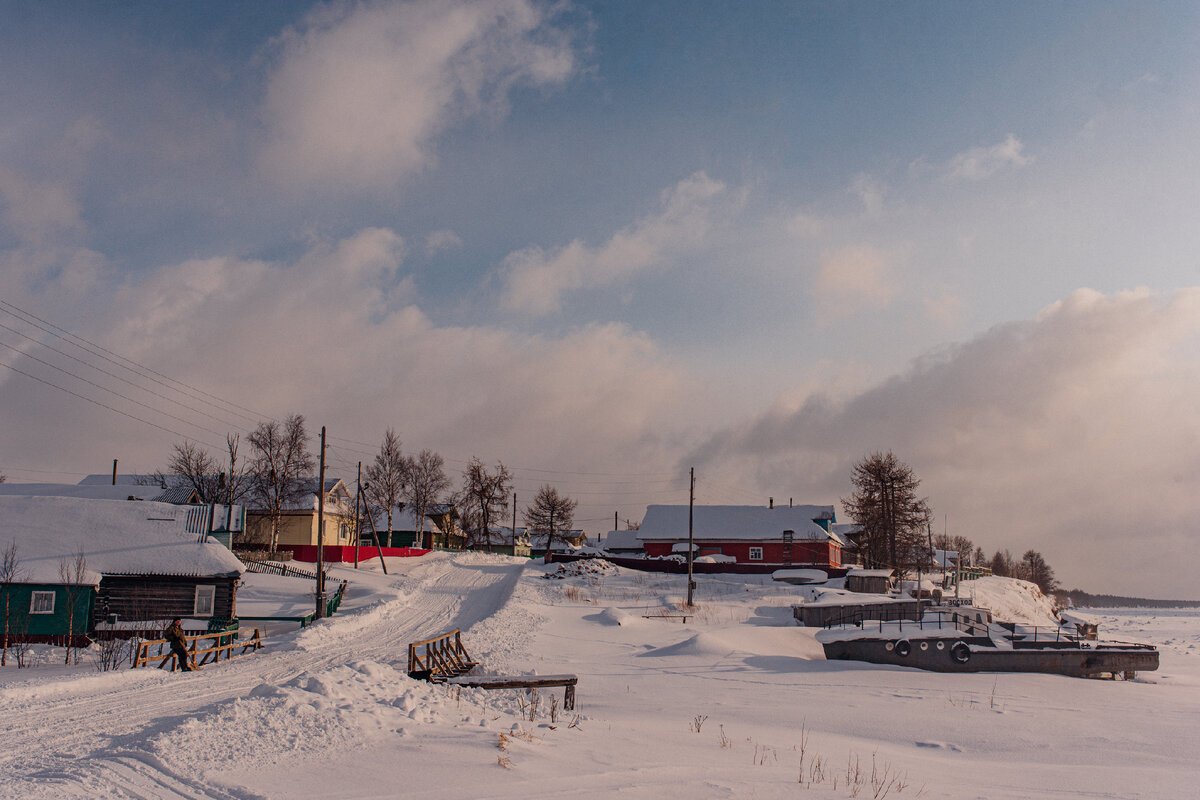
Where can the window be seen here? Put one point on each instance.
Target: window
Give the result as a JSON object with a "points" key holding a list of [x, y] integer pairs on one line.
{"points": [[756, 554], [42, 603], [205, 597]]}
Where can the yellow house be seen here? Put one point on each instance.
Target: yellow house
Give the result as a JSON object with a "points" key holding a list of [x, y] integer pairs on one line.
{"points": [[298, 523]]}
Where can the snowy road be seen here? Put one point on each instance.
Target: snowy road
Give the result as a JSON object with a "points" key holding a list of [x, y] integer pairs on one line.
{"points": [[73, 737]]}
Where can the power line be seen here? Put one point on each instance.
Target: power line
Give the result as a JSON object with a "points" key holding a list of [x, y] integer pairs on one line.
{"points": [[98, 403], [106, 389], [62, 333], [106, 372]]}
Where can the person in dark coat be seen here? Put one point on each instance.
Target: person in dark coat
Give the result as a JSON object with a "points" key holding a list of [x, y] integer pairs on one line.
{"points": [[175, 637]]}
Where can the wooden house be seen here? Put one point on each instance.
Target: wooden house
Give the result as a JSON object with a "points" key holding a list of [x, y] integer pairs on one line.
{"points": [[298, 526], [404, 532], [792, 536], [111, 565]]}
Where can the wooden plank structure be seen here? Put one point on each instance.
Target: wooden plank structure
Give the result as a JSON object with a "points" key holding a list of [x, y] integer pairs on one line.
{"points": [[444, 659], [221, 642], [522, 682]]}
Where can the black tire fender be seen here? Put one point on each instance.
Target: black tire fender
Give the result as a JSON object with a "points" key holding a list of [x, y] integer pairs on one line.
{"points": [[960, 652], [903, 648]]}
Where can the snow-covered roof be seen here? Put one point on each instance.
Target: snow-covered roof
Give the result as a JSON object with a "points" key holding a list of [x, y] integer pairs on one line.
{"points": [[403, 519], [723, 523], [94, 491], [871, 573], [116, 537], [621, 540]]}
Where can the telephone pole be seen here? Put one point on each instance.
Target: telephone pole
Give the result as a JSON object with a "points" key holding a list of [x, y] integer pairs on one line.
{"points": [[691, 540], [357, 516], [320, 610]]}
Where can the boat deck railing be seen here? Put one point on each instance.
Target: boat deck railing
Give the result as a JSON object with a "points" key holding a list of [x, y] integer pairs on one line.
{"points": [[962, 621]]}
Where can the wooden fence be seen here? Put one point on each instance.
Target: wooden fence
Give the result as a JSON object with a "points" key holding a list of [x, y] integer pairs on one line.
{"points": [[224, 642], [275, 568]]}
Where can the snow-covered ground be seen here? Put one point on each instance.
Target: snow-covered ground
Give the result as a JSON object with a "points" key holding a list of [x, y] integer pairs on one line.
{"points": [[738, 702]]}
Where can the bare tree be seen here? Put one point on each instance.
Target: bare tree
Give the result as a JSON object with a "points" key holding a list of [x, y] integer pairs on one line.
{"points": [[281, 459], [10, 572], [72, 572], [552, 515], [484, 498], [192, 466], [893, 518], [387, 477], [427, 482]]}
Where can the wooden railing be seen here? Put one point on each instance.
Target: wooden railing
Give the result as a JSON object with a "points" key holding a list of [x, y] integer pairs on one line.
{"points": [[224, 642], [443, 657]]}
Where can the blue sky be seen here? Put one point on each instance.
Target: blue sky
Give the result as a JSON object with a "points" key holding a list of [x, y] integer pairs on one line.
{"points": [[614, 239]]}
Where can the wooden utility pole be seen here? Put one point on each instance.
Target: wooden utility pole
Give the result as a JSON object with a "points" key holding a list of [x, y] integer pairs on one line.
{"points": [[691, 544], [357, 517], [320, 611], [514, 537]]}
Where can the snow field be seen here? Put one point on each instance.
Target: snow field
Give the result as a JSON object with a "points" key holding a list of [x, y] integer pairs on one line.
{"points": [[738, 702]]}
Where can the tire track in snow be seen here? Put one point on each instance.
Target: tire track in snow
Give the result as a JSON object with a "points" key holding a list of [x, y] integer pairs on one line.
{"points": [[61, 737]]}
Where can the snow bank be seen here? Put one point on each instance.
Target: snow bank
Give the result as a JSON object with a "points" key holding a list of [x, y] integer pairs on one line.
{"points": [[1012, 600]]}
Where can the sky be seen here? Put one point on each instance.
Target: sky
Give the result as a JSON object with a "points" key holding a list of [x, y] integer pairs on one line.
{"points": [[609, 242]]}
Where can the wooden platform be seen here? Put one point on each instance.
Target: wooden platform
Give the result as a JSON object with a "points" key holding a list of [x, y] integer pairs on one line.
{"points": [[444, 659], [522, 682]]}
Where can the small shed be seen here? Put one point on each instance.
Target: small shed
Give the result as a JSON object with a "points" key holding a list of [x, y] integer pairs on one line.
{"points": [[870, 581]]}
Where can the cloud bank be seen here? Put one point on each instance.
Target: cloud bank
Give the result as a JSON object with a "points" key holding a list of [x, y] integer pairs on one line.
{"points": [[1073, 433]]}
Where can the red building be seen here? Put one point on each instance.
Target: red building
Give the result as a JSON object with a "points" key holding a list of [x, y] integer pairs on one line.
{"points": [[792, 536]]}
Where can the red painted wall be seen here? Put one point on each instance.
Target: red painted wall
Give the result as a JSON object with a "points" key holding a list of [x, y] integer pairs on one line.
{"points": [[345, 554], [825, 553]]}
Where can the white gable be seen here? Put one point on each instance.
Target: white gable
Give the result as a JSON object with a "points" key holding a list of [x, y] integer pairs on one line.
{"points": [[725, 523], [117, 537]]}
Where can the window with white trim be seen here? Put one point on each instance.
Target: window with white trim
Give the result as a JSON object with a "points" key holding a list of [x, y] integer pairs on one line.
{"points": [[756, 554], [41, 603], [205, 600]]}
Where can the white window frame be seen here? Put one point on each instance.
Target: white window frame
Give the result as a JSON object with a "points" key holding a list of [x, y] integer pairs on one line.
{"points": [[36, 595], [756, 554], [208, 592]]}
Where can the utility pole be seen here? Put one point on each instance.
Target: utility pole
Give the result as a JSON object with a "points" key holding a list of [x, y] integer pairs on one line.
{"points": [[691, 538], [320, 610], [514, 537], [357, 517]]}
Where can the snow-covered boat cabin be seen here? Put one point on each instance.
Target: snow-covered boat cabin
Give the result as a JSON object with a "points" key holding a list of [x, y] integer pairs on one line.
{"points": [[779, 536]]}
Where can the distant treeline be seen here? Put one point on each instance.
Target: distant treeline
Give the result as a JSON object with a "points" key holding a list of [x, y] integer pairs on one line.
{"points": [[1080, 598]]}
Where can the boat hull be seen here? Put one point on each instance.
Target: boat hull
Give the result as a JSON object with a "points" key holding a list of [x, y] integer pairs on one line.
{"points": [[971, 654]]}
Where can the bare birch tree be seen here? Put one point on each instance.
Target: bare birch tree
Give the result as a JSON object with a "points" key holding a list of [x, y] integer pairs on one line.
{"points": [[281, 460], [387, 477], [484, 498], [551, 515], [72, 572], [427, 482], [10, 572]]}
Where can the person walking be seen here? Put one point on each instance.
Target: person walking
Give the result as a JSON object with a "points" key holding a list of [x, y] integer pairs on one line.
{"points": [[176, 638]]}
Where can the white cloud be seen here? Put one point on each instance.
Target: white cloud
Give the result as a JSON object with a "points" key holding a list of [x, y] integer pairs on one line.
{"points": [[853, 278], [979, 163], [360, 90], [1074, 434], [336, 335], [38, 211], [439, 241], [535, 279]]}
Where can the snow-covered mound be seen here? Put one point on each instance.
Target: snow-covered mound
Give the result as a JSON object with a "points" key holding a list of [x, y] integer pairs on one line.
{"points": [[1012, 600]]}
